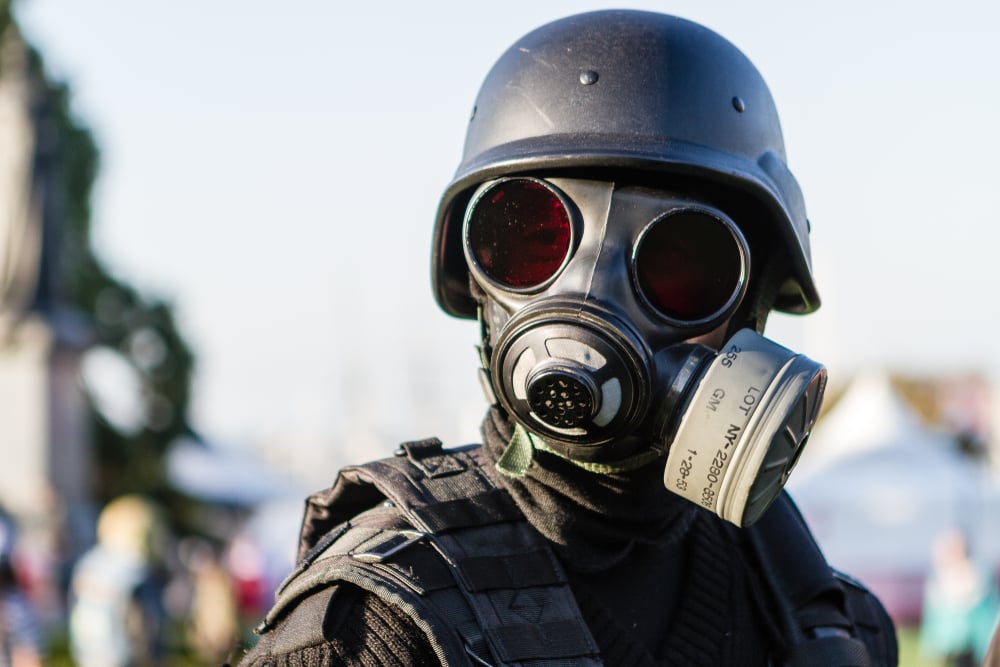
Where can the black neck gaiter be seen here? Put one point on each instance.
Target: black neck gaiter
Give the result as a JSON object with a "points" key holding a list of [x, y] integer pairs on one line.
{"points": [[593, 520]]}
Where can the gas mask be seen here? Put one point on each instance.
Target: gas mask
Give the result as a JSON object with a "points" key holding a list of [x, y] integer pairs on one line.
{"points": [[597, 300]]}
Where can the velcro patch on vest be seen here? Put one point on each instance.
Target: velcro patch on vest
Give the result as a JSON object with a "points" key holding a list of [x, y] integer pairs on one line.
{"points": [[519, 570], [540, 641]]}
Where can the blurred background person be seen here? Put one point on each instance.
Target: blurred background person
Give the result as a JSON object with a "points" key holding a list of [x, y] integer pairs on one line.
{"points": [[19, 633], [116, 615], [960, 604], [213, 629], [993, 652]]}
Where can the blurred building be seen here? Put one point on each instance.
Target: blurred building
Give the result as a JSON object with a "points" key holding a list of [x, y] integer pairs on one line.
{"points": [[43, 412]]}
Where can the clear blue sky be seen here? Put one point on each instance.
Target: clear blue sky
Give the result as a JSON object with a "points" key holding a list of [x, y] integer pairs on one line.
{"points": [[273, 169]]}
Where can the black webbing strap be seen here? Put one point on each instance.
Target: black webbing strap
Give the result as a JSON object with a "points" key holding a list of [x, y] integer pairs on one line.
{"points": [[509, 578], [517, 588], [495, 506], [430, 457]]}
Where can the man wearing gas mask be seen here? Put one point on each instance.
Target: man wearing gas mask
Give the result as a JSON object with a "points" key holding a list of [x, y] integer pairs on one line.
{"points": [[621, 224]]}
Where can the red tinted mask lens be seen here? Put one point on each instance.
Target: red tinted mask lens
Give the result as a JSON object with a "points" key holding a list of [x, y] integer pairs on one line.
{"points": [[690, 266], [519, 233]]}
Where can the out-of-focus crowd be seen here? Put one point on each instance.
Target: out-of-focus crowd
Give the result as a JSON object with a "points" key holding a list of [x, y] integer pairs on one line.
{"points": [[139, 597]]}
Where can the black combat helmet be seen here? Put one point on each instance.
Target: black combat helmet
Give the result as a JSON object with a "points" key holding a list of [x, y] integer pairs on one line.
{"points": [[635, 91]]}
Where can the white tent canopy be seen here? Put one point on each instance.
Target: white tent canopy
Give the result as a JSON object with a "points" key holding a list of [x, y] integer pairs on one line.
{"points": [[878, 486], [223, 475]]}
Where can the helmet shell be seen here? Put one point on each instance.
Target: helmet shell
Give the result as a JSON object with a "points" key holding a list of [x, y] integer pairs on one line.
{"points": [[627, 90]]}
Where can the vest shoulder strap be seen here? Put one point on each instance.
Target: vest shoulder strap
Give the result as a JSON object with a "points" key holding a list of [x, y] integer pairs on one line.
{"points": [[432, 532], [826, 617]]}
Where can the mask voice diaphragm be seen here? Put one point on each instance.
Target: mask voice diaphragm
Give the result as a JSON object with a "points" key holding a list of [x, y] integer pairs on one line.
{"points": [[744, 427]]}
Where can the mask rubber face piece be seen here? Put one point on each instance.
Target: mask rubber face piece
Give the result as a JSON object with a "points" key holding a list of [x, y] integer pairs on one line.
{"points": [[585, 281], [744, 427]]}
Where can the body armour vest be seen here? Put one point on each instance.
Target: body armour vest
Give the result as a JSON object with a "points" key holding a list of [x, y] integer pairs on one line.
{"points": [[433, 533]]}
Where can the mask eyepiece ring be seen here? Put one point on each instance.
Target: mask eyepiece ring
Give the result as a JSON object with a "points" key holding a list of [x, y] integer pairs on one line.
{"points": [[690, 266], [519, 233]]}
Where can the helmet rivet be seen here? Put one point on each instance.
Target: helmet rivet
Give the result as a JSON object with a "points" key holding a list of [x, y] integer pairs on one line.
{"points": [[738, 104], [588, 77]]}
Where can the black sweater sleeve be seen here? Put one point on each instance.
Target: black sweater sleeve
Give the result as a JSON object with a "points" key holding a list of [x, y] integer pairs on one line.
{"points": [[342, 625]]}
